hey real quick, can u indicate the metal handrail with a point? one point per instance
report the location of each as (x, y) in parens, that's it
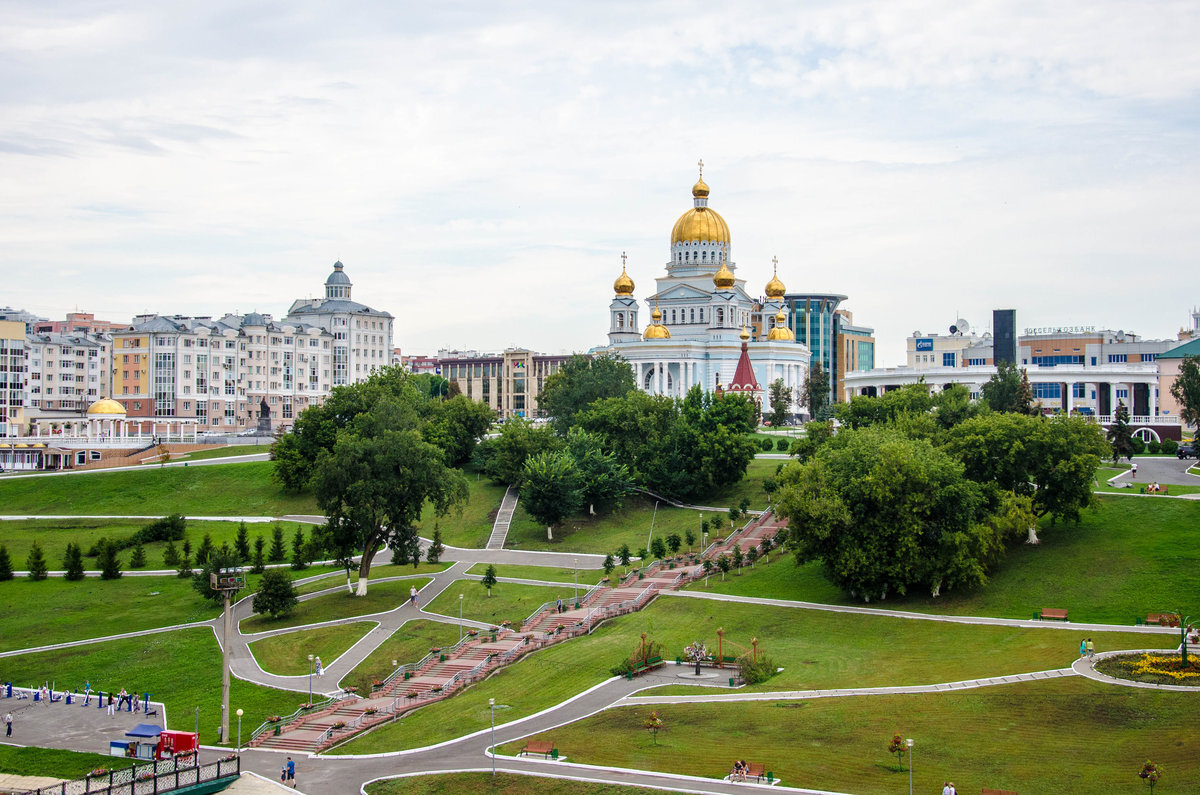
(267, 724)
(414, 667)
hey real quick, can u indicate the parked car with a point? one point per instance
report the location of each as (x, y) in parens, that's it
(1186, 451)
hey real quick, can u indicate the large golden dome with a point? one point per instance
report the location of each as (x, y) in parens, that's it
(723, 278)
(700, 223)
(656, 330)
(781, 332)
(106, 406)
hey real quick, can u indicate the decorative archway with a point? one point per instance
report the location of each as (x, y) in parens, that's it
(1147, 435)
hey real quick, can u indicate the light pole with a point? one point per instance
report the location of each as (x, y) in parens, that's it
(310, 673)
(909, 743)
(239, 714)
(492, 708)
(575, 591)
(460, 598)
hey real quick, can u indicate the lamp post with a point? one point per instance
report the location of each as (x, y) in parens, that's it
(492, 708)
(239, 714)
(310, 673)
(460, 598)
(575, 591)
(909, 743)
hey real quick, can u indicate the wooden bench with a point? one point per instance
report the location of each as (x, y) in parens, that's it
(987, 791)
(1162, 619)
(1058, 614)
(756, 771)
(641, 668)
(544, 748)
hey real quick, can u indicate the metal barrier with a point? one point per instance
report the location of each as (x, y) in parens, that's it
(147, 779)
(267, 725)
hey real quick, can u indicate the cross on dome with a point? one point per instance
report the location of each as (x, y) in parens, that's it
(700, 163)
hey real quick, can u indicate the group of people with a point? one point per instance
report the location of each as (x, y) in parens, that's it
(1154, 488)
(1087, 648)
(741, 769)
(949, 789)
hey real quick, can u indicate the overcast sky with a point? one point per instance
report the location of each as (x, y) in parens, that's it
(480, 167)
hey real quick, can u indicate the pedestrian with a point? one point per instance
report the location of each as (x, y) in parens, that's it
(560, 604)
(87, 693)
(1091, 648)
(412, 595)
(1133, 469)
(290, 770)
(8, 724)
(1083, 648)
(953, 791)
(320, 670)
(111, 712)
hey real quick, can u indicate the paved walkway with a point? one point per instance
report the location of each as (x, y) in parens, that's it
(1162, 469)
(503, 519)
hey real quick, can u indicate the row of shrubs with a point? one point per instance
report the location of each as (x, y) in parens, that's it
(1166, 447)
(782, 445)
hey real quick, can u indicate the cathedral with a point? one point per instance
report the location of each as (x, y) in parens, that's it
(704, 327)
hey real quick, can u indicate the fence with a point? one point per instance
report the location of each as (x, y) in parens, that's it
(149, 778)
(267, 725)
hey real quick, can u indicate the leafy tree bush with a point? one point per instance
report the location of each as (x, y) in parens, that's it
(624, 554)
(1168, 447)
(259, 564)
(503, 457)
(185, 567)
(739, 558)
(609, 565)
(489, 579)
(1008, 390)
(73, 563)
(1152, 447)
(168, 528)
(1138, 444)
(205, 550)
(242, 544)
(783, 444)
(276, 596)
(6, 569)
(436, 547)
(1186, 389)
(753, 671)
(657, 548)
(552, 486)
(278, 552)
(781, 402)
(580, 382)
(137, 560)
(170, 555)
(766, 445)
(299, 558)
(35, 564)
(690, 538)
(109, 563)
(674, 542)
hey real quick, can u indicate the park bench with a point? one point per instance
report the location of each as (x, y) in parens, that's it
(546, 749)
(642, 667)
(1058, 614)
(1161, 490)
(987, 791)
(758, 772)
(1161, 619)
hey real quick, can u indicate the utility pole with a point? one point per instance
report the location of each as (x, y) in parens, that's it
(228, 582)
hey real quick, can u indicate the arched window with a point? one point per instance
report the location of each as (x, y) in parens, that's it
(701, 314)
(692, 314)
(620, 320)
(720, 316)
(704, 256)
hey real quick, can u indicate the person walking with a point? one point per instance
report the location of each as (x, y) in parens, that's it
(8, 724)
(290, 770)
(1091, 649)
(1133, 469)
(111, 712)
(412, 595)
(320, 670)
(1083, 648)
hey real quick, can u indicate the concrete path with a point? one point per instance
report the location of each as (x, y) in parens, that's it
(203, 462)
(503, 519)
(1161, 469)
(1085, 667)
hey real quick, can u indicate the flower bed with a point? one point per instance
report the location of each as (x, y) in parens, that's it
(1156, 669)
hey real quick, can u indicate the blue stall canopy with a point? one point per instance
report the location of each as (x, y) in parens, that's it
(144, 730)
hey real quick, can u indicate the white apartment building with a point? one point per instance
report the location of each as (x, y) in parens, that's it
(66, 373)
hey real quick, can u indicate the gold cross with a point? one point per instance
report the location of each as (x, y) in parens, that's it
(622, 260)
(775, 262)
(701, 164)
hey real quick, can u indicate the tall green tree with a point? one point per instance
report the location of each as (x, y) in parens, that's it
(73, 562)
(1009, 390)
(35, 564)
(781, 402)
(1186, 389)
(109, 562)
(204, 550)
(553, 488)
(6, 569)
(242, 544)
(278, 552)
(1050, 460)
(259, 563)
(502, 457)
(299, 560)
(885, 513)
(276, 595)
(580, 382)
(436, 547)
(377, 480)
(489, 579)
(137, 559)
(816, 391)
(1120, 437)
(456, 426)
(604, 481)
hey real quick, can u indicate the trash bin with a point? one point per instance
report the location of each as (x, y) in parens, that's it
(278, 730)
(731, 681)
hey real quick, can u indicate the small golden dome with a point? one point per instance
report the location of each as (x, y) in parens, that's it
(656, 330)
(745, 335)
(623, 285)
(775, 288)
(781, 332)
(723, 278)
(700, 189)
(106, 406)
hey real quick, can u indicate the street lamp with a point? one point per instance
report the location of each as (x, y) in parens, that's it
(310, 673)
(575, 591)
(460, 598)
(239, 714)
(909, 743)
(492, 708)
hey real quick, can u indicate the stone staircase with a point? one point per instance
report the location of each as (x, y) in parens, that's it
(443, 672)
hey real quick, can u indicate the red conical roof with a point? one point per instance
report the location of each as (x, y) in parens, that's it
(743, 376)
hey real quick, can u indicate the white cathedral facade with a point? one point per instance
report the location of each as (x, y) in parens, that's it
(702, 319)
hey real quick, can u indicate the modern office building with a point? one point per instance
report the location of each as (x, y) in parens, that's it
(699, 312)
(508, 382)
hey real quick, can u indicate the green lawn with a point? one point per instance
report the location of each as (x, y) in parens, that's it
(816, 650)
(380, 596)
(1054, 736)
(406, 645)
(508, 602)
(226, 451)
(471, 529)
(33, 761)
(287, 654)
(749, 487)
(606, 533)
(1127, 558)
(545, 573)
(1105, 473)
(182, 669)
(501, 784)
(228, 490)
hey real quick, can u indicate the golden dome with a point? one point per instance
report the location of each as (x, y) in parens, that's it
(781, 331)
(700, 223)
(106, 406)
(745, 335)
(723, 278)
(775, 288)
(656, 330)
(700, 189)
(623, 285)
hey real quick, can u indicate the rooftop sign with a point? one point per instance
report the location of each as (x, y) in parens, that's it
(1038, 332)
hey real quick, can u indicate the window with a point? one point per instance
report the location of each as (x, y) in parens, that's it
(1051, 361)
(1122, 394)
(1047, 391)
(976, 362)
(1078, 390)
(949, 359)
(1116, 358)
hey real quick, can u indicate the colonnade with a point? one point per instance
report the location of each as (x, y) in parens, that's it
(674, 377)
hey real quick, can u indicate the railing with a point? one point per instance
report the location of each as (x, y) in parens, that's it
(1139, 419)
(267, 725)
(417, 666)
(149, 778)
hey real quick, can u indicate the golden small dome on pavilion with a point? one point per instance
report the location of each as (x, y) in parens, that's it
(775, 288)
(745, 335)
(781, 332)
(106, 406)
(700, 189)
(623, 285)
(723, 278)
(656, 330)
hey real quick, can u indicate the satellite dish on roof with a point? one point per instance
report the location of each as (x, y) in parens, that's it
(1120, 335)
(954, 329)
(963, 326)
